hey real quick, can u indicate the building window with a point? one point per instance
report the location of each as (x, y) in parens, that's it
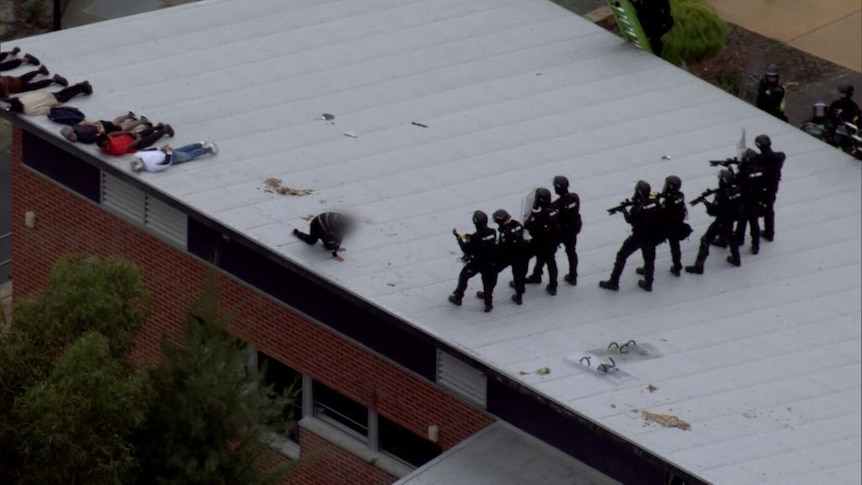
(341, 411)
(287, 382)
(405, 445)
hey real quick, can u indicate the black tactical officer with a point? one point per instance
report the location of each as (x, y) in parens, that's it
(844, 108)
(568, 206)
(512, 251)
(646, 218)
(479, 253)
(655, 19)
(770, 93)
(543, 226)
(726, 207)
(772, 162)
(675, 213)
(750, 179)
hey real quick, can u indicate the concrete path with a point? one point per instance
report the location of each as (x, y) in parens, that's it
(829, 29)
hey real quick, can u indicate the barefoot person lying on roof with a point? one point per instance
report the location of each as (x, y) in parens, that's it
(158, 160)
(19, 84)
(40, 102)
(89, 131)
(124, 143)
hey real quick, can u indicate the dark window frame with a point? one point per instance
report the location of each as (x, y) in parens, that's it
(398, 442)
(341, 412)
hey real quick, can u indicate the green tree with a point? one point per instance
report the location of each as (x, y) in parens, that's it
(82, 295)
(75, 425)
(207, 406)
(698, 32)
(73, 410)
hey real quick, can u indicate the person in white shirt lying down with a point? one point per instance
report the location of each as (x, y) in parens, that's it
(158, 160)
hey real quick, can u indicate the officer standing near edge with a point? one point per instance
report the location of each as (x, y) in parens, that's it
(479, 249)
(512, 251)
(772, 163)
(568, 206)
(647, 232)
(542, 224)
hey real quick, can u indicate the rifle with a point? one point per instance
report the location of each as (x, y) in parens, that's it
(702, 197)
(462, 240)
(623, 205)
(729, 163)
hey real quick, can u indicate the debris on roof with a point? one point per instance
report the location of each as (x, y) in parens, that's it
(274, 186)
(666, 420)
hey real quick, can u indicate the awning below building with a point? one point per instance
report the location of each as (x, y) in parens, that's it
(502, 455)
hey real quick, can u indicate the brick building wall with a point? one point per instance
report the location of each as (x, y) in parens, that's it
(67, 223)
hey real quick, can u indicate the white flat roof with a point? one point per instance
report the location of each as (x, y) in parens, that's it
(762, 361)
(499, 454)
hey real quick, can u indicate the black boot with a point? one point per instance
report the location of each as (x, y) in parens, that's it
(610, 285)
(755, 248)
(641, 271)
(517, 298)
(572, 280)
(696, 268)
(551, 289)
(488, 307)
(734, 261)
(645, 285)
(533, 279)
(719, 242)
(676, 270)
(456, 299)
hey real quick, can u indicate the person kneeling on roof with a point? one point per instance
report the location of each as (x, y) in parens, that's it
(331, 228)
(158, 160)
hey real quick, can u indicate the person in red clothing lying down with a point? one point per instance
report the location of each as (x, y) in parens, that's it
(124, 143)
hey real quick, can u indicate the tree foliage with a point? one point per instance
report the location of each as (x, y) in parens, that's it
(74, 426)
(207, 402)
(73, 409)
(82, 295)
(698, 32)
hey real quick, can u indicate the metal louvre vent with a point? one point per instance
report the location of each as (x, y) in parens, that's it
(166, 221)
(122, 199)
(466, 381)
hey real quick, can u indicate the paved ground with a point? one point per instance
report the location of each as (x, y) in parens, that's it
(829, 29)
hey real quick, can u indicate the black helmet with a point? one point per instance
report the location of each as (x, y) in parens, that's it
(642, 189)
(819, 109)
(672, 183)
(480, 219)
(725, 177)
(749, 156)
(763, 141)
(561, 185)
(543, 198)
(771, 70)
(846, 89)
(501, 216)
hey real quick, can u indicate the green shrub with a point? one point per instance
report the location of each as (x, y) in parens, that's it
(698, 32)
